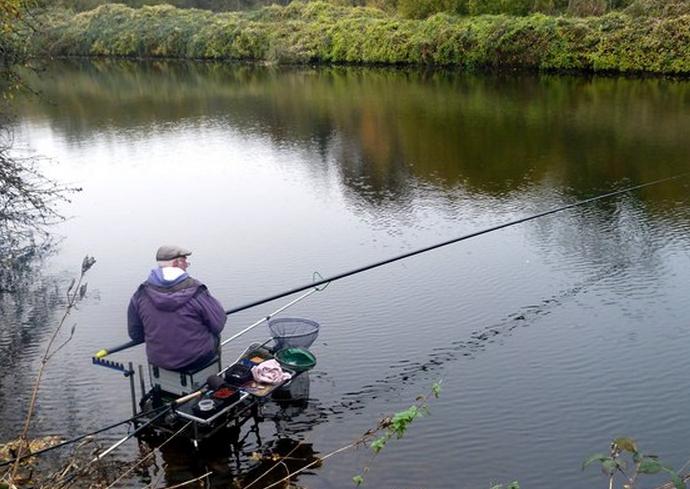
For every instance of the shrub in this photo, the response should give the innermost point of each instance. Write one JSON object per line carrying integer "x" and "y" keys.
{"x": 421, "y": 9}
{"x": 321, "y": 32}
{"x": 587, "y": 8}
{"x": 659, "y": 8}
{"x": 483, "y": 7}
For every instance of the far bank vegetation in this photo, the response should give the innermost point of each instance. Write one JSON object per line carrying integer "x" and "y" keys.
{"x": 550, "y": 35}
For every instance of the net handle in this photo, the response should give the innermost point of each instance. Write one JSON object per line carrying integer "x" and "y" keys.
{"x": 268, "y": 318}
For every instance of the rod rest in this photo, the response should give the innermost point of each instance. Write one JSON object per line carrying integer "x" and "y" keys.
{"x": 120, "y": 367}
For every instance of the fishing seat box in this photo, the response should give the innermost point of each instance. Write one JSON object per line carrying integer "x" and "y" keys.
{"x": 181, "y": 382}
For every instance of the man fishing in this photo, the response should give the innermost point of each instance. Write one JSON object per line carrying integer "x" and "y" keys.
{"x": 175, "y": 314}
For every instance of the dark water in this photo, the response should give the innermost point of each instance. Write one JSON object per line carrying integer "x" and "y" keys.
{"x": 551, "y": 337}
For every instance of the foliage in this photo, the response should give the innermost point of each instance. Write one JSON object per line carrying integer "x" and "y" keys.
{"x": 659, "y": 8}
{"x": 10, "y": 17}
{"x": 587, "y": 8}
{"x": 324, "y": 32}
{"x": 512, "y": 485}
{"x": 421, "y": 9}
{"x": 27, "y": 198}
{"x": 417, "y": 9}
{"x": 27, "y": 208}
{"x": 396, "y": 426}
{"x": 75, "y": 293}
{"x": 613, "y": 463}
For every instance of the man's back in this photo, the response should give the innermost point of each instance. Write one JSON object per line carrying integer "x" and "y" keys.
{"x": 176, "y": 316}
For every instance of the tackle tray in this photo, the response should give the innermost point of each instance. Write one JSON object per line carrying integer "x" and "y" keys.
{"x": 254, "y": 355}
{"x": 249, "y": 393}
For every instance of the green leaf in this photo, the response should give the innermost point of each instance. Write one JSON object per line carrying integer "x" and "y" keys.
{"x": 609, "y": 466}
{"x": 358, "y": 480}
{"x": 596, "y": 457}
{"x": 677, "y": 480}
{"x": 649, "y": 465}
{"x": 513, "y": 485}
{"x": 626, "y": 444}
{"x": 436, "y": 389}
{"x": 378, "y": 444}
{"x": 402, "y": 420}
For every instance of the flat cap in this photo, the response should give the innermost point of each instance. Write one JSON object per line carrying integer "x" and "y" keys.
{"x": 170, "y": 252}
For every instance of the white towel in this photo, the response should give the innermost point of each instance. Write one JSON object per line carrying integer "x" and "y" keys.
{"x": 269, "y": 372}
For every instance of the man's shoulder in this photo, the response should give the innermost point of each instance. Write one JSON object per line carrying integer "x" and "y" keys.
{"x": 140, "y": 288}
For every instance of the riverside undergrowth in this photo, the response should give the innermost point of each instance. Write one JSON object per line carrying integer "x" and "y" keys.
{"x": 319, "y": 32}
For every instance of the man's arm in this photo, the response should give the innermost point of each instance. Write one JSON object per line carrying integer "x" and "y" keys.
{"x": 212, "y": 312}
{"x": 135, "y": 327}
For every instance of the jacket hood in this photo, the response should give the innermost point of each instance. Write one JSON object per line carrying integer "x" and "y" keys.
{"x": 167, "y": 277}
{"x": 170, "y": 295}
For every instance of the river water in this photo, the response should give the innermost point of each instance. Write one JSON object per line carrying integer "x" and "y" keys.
{"x": 550, "y": 338}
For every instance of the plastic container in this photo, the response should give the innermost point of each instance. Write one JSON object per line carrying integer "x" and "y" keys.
{"x": 205, "y": 408}
{"x": 296, "y": 359}
{"x": 238, "y": 374}
{"x": 226, "y": 395}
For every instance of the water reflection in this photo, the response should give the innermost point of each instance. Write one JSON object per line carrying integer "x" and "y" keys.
{"x": 291, "y": 170}
{"x": 217, "y": 464}
{"x": 26, "y": 308}
{"x": 252, "y": 455}
{"x": 490, "y": 135}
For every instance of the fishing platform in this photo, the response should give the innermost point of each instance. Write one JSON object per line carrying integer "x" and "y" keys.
{"x": 200, "y": 403}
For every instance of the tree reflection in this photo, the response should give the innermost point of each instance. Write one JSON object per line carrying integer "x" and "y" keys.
{"x": 489, "y": 134}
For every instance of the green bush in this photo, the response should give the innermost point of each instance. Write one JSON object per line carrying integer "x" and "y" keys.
{"x": 483, "y": 7}
{"x": 659, "y": 8}
{"x": 587, "y": 8}
{"x": 421, "y": 9}
{"x": 323, "y": 32}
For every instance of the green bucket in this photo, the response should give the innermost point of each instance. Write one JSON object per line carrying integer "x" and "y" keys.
{"x": 297, "y": 359}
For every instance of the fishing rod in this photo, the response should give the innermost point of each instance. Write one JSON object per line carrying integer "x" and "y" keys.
{"x": 452, "y": 241}
{"x": 80, "y": 437}
{"x": 107, "y": 351}
{"x": 325, "y": 281}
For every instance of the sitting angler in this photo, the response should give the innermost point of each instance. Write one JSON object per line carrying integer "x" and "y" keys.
{"x": 175, "y": 315}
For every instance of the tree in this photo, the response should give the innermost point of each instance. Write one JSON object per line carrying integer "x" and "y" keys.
{"x": 27, "y": 198}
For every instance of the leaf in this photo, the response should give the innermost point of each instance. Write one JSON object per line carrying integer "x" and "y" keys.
{"x": 596, "y": 457}
{"x": 402, "y": 420}
{"x": 649, "y": 465}
{"x": 378, "y": 444}
{"x": 87, "y": 263}
{"x": 677, "y": 480}
{"x": 82, "y": 291}
{"x": 436, "y": 389}
{"x": 609, "y": 466}
{"x": 358, "y": 480}
{"x": 513, "y": 485}
{"x": 626, "y": 444}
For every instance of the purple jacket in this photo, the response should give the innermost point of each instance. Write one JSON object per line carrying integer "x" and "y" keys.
{"x": 179, "y": 320}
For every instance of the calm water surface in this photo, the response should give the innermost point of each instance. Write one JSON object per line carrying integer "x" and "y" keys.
{"x": 551, "y": 337}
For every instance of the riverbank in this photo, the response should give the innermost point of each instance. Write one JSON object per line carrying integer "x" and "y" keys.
{"x": 320, "y": 32}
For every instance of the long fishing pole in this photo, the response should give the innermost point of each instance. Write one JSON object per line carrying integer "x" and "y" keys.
{"x": 315, "y": 284}
{"x": 452, "y": 241}
{"x": 79, "y": 438}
